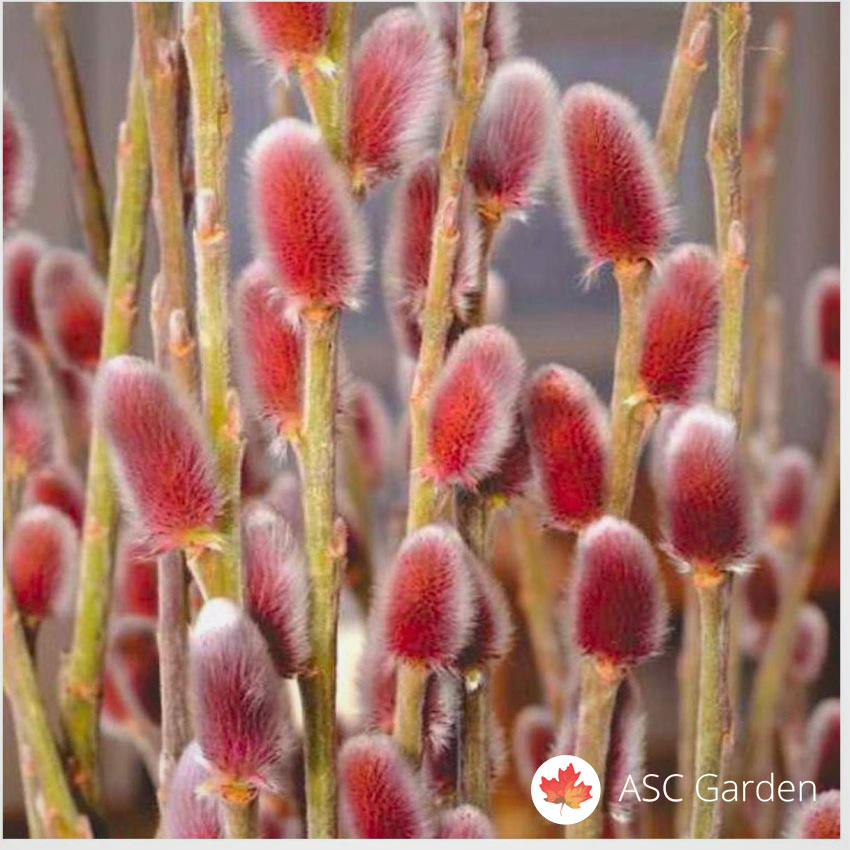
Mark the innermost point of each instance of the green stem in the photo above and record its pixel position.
(324, 550)
(241, 820)
(81, 679)
(599, 684)
(474, 753)
(687, 677)
(411, 680)
(627, 425)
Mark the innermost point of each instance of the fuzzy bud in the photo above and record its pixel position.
(510, 143)
(465, 822)
(819, 819)
(40, 556)
(396, 83)
(164, 469)
(428, 598)
(235, 697)
(568, 435)
(69, 306)
(762, 589)
(28, 434)
(473, 406)
(811, 642)
(21, 254)
(276, 587)
(132, 667)
(822, 320)
(611, 185)
(619, 613)
(309, 231)
(706, 503)
(788, 492)
(822, 762)
(18, 164)
(287, 34)
(136, 592)
(532, 738)
(59, 486)
(380, 795)
(371, 424)
(188, 812)
(270, 349)
(681, 324)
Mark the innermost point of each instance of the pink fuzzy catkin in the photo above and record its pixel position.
(619, 612)
(40, 555)
(532, 739)
(681, 325)
(18, 164)
(428, 598)
(396, 86)
(235, 696)
(510, 142)
(811, 642)
(58, 485)
(567, 433)
(69, 307)
(706, 505)
(611, 185)
(465, 822)
(372, 430)
(164, 468)
(307, 227)
(189, 812)
(820, 818)
(822, 320)
(132, 670)
(270, 349)
(381, 797)
(276, 587)
(287, 34)
(21, 254)
(822, 746)
(473, 406)
(788, 491)
(135, 593)
(762, 588)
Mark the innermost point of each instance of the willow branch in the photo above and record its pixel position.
(687, 679)
(83, 670)
(88, 193)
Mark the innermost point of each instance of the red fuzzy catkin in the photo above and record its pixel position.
(567, 432)
(822, 749)
(380, 795)
(811, 642)
(681, 325)
(287, 34)
(428, 598)
(40, 556)
(510, 142)
(819, 819)
(532, 739)
(21, 254)
(162, 463)
(788, 492)
(270, 346)
(135, 593)
(18, 164)
(396, 86)
(619, 611)
(372, 431)
(235, 696)
(28, 434)
(822, 320)
(307, 227)
(132, 666)
(187, 811)
(465, 822)
(473, 406)
(69, 306)
(611, 185)
(276, 587)
(706, 506)
(762, 589)
(58, 485)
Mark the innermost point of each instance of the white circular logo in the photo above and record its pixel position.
(565, 789)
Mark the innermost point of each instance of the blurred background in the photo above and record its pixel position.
(625, 46)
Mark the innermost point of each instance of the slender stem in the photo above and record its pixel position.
(724, 161)
(81, 680)
(411, 680)
(324, 550)
(687, 677)
(714, 716)
(599, 684)
(241, 820)
(211, 127)
(54, 802)
(437, 313)
(686, 69)
(771, 674)
(88, 194)
(627, 425)
(474, 753)
(536, 598)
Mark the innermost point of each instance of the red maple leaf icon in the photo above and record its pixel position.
(565, 789)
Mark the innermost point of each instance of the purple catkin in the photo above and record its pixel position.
(822, 320)
(21, 254)
(189, 810)
(788, 492)
(811, 642)
(58, 485)
(465, 822)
